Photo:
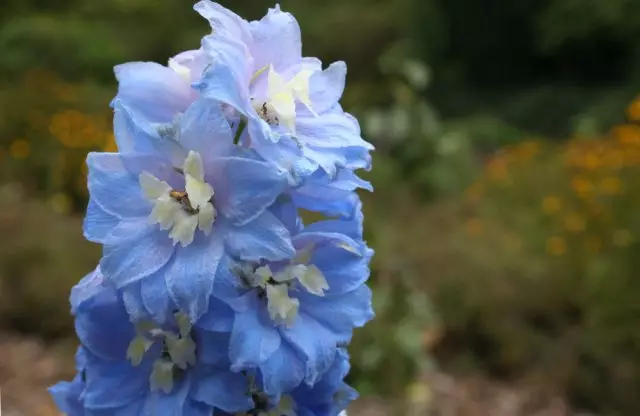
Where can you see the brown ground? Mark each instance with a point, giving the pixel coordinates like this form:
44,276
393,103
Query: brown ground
27,367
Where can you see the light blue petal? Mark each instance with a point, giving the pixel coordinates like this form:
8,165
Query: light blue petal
90,286
66,396
224,390
253,340
133,304
204,129
351,227
190,276
340,204
244,188
276,40
326,87
314,342
219,316
155,297
136,134
133,251
283,371
155,90
103,326
263,238
287,213
227,79
224,22
322,393
97,223
104,378
340,314
114,188
330,130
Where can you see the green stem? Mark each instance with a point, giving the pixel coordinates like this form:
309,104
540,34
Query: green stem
241,127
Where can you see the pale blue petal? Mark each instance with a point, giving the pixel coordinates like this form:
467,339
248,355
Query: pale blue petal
132,301
155,296
219,316
103,326
204,129
66,396
224,390
97,223
135,134
224,22
339,314
114,188
157,91
310,199
227,79
190,276
107,377
326,87
351,227
312,341
253,340
134,250
90,286
263,238
276,40
283,371
244,188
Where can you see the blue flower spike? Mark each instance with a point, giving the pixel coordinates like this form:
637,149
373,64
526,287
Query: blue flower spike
213,296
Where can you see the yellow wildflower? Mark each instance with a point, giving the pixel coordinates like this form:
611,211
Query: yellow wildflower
633,111
475,227
574,223
556,246
581,186
610,185
20,149
551,205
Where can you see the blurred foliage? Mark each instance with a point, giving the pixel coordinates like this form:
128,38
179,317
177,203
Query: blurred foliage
525,242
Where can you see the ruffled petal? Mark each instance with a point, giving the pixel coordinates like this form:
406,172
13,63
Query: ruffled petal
263,238
244,188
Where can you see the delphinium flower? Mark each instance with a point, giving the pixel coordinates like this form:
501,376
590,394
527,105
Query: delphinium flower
145,367
285,106
178,209
292,314
288,104
213,297
328,397
258,70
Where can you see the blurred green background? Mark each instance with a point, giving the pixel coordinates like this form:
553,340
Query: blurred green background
506,216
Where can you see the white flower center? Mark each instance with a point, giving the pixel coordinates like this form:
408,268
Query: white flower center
181,212
282,308
279,105
178,351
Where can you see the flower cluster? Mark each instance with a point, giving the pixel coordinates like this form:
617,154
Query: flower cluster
213,296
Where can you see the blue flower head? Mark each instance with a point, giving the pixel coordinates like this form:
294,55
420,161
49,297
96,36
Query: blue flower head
328,397
168,216
293,314
168,368
289,103
212,296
